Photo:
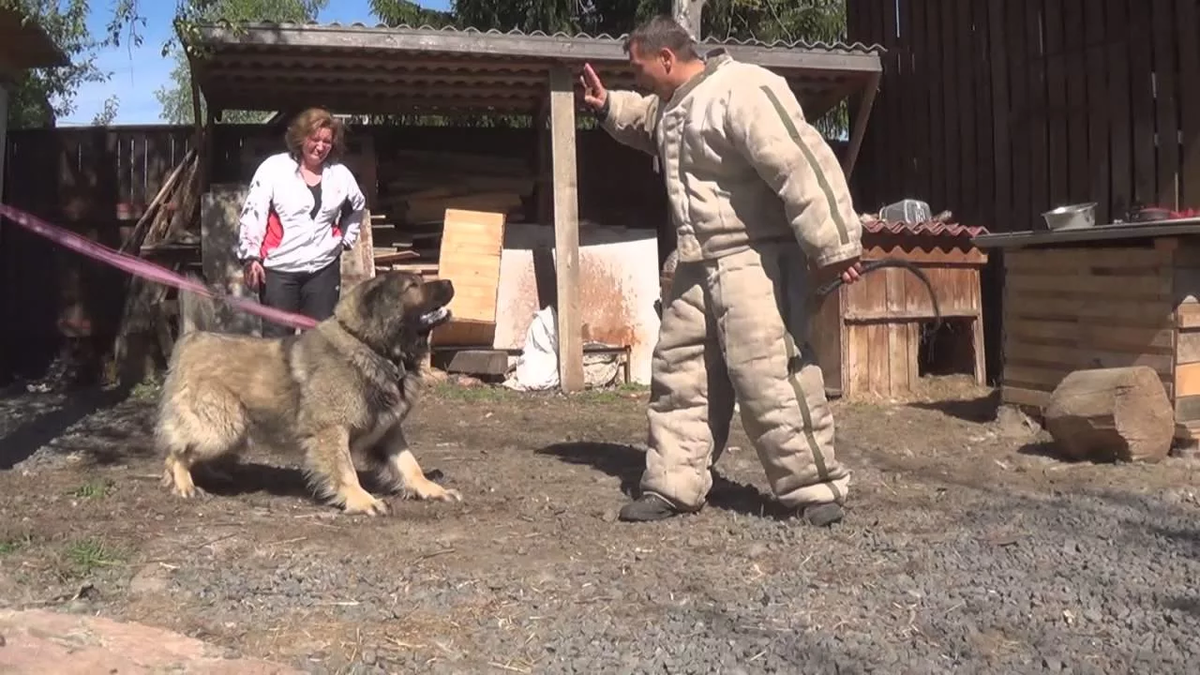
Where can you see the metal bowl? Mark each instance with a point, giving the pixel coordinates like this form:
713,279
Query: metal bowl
1071,216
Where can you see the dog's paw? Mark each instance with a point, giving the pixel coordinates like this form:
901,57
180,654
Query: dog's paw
430,491
187,491
364,502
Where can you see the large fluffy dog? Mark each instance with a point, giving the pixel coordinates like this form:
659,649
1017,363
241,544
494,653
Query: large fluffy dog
339,390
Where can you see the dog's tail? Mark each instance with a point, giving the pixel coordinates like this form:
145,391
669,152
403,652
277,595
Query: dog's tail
196,312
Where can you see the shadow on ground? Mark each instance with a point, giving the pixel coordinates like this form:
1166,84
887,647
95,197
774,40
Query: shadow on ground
978,410
20,444
233,478
626,463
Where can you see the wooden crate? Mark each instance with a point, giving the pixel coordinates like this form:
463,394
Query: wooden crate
867,335
1099,305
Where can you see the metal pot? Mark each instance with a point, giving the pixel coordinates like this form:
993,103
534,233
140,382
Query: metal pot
1071,216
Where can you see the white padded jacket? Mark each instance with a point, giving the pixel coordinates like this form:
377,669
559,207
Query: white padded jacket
741,164
277,225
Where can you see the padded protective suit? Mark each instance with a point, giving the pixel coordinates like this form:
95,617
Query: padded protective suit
755,193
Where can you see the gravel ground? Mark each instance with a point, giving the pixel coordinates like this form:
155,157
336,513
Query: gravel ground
966,549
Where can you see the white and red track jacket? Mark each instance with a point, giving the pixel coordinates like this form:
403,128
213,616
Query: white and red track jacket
282,224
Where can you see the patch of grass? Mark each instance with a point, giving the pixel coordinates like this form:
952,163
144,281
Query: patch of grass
484,393
86,555
13,544
94,489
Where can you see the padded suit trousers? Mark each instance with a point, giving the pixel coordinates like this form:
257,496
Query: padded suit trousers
736,328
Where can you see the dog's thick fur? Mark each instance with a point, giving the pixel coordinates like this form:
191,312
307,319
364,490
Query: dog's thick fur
336,391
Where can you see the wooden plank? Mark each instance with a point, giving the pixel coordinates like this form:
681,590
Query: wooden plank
1187,19
891,150
1157,340
358,264
1075,65
1048,260
1002,114
1187,346
473,267
1187,410
920,100
858,361
886,316
1097,102
1116,287
1024,397
1119,108
980,123
914,360
1187,316
1037,120
1024,353
1187,379
1017,55
900,355
1141,91
906,97
1166,86
950,144
1089,309
936,76
879,371
1056,111
566,229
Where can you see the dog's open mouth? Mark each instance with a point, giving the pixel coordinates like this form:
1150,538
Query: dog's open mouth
436,317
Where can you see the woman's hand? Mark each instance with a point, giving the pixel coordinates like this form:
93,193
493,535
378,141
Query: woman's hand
254,275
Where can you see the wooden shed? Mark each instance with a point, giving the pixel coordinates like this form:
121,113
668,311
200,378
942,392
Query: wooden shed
1102,297
875,337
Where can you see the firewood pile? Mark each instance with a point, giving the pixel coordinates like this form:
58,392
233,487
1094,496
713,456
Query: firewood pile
416,188
169,219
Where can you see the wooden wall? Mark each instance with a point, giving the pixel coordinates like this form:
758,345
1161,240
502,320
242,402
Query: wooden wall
1001,110
1067,308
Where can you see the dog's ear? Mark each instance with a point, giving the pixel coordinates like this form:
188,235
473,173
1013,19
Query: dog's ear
375,309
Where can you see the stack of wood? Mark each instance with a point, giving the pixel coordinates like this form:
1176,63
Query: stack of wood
168,220
417,187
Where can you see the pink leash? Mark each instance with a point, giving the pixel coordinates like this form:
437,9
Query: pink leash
146,269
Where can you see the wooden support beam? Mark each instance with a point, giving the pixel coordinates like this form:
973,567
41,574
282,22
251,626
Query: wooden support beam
860,124
566,229
4,101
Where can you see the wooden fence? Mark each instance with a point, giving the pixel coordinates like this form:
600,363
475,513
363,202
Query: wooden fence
1003,109
98,181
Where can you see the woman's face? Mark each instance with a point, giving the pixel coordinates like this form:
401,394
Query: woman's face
317,145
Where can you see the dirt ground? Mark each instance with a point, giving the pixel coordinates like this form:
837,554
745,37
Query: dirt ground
968,547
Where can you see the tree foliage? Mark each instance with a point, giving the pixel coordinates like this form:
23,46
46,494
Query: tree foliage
765,20
42,95
176,96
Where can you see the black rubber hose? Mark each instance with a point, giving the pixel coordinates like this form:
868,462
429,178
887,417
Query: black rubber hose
868,267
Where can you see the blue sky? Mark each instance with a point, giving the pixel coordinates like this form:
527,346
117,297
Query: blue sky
138,71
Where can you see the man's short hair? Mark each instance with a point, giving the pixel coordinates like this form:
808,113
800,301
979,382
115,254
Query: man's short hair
662,32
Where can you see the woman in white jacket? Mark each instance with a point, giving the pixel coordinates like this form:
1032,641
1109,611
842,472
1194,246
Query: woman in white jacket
303,209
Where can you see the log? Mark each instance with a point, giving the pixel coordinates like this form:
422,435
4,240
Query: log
1112,414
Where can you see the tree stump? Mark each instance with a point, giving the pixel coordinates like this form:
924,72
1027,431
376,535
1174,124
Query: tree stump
1112,414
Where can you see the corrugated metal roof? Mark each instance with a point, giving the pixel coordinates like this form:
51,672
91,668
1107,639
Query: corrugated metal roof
928,229
376,69
357,26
